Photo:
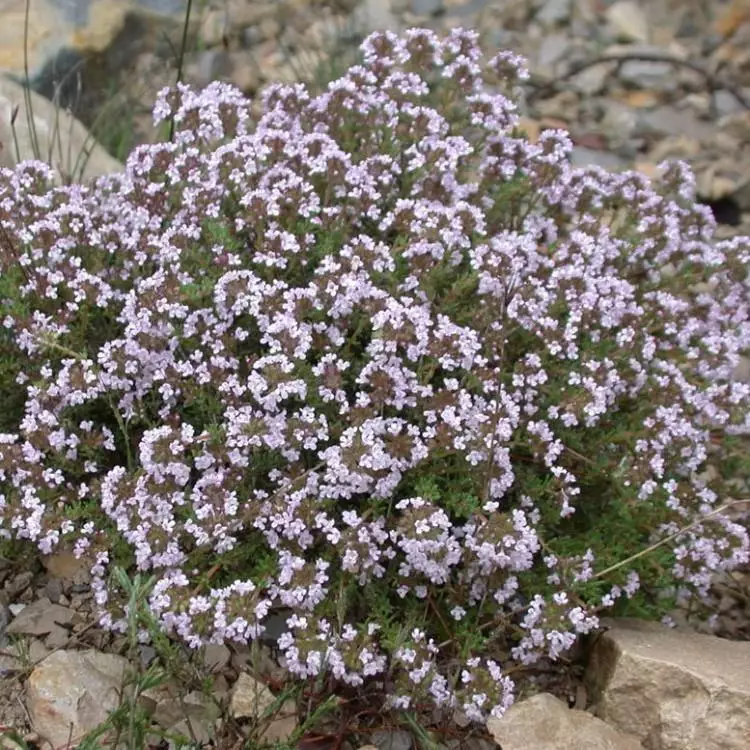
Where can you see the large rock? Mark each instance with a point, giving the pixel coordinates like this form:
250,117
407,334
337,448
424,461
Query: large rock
544,722
105,60
61,34
674,691
54,26
78,49
72,692
376,14
79,26
61,139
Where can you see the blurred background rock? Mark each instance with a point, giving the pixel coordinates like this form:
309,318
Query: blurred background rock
633,81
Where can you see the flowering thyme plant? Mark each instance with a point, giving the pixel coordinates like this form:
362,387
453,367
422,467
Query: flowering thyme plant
377,361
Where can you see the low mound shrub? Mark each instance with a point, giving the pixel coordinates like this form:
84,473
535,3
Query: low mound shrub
376,361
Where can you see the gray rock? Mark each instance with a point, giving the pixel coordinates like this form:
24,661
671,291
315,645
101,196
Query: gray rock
392,739
554,12
41,618
592,80
628,21
147,654
671,121
191,733
465,743
675,691
53,590
216,657
427,7
61,139
376,15
726,103
674,147
60,27
51,26
563,106
167,706
741,196
57,638
259,662
583,157
197,717
552,49
619,123
164,7
736,126
250,698
478,743
207,66
243,70
544,722
72,692
648,74
19,583
80,51
239,14
281,727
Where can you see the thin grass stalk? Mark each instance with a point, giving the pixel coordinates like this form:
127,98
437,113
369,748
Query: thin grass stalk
666,540
56,130
91,139
422,736
65,159
6,242
79,90
291,62
181,58
13,117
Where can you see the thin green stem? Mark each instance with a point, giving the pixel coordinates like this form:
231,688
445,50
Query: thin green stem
118,417
666,540
13,130
60,348
181,59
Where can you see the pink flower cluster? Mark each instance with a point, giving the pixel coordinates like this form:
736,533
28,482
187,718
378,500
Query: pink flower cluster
243,352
